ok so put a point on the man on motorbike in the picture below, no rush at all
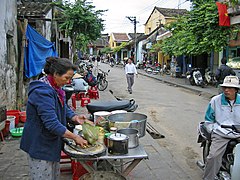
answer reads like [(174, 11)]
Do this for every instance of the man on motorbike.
[(223, 109)]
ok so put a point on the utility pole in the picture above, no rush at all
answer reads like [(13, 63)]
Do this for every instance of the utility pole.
[(134, 21)]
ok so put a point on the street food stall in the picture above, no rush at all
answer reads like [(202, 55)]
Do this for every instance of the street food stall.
[(120, 154)]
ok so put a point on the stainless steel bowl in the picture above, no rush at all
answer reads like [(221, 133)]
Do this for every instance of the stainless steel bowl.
[(129, 120)]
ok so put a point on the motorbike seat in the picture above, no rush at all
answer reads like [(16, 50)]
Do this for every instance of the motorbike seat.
[(108, 105)]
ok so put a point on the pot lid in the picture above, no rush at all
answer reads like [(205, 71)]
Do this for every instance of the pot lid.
[(118, 137)]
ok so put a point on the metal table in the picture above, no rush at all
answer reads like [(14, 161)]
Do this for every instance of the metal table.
[(137, 154)]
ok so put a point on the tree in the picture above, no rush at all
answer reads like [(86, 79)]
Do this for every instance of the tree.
[(81, 22), (106, 50), (122, 46), (198, 32)]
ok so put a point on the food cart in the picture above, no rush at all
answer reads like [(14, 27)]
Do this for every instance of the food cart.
[(116, 163), (121, 162)]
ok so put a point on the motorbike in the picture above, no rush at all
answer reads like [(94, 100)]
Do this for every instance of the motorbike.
[(152, 69), (210, 77), (118, 104), (231, 158), (195, 77), (102, 82)]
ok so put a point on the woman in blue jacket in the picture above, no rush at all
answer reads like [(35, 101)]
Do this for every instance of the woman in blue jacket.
[(46, 120)]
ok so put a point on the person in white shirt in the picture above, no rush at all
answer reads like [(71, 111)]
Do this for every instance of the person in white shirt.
[(130, 70)]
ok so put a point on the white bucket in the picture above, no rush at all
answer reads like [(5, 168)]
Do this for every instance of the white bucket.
[(102, 114), (12, 122), (118, 111)]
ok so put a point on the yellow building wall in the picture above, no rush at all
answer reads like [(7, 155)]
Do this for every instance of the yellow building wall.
[(112, 44), (154, 21)]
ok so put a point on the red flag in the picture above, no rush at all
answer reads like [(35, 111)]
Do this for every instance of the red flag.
[(224, 19)]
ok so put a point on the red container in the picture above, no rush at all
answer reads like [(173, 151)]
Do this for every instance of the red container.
[(15, 113), (23, 116), (78, 170)]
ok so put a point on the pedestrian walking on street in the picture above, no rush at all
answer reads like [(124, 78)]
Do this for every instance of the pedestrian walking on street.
[(130, 70), (47, 114)]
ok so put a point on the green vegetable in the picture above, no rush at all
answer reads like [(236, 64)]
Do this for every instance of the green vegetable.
[(90, 133)]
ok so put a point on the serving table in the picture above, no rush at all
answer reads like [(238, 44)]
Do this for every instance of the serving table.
[(112, 162)]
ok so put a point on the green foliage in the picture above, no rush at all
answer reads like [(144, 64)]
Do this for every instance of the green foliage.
[(106, 50), (81, 22), (155, 48), (198, 32), (122, 46)]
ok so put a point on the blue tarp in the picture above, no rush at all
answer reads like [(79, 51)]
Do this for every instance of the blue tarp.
[(37, 50)]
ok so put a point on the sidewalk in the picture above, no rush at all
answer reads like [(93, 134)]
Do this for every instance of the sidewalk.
[(207, 91)]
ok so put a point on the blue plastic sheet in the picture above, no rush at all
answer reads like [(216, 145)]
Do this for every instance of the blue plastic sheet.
[(37, 50)]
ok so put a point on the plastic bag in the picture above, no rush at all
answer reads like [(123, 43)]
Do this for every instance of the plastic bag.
[(90, 133)]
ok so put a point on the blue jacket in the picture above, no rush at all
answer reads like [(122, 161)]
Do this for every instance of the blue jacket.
[(45, 124)]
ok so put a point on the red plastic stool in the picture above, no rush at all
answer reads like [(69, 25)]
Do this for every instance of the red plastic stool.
[(94, 94), (74, 103), (85, 101), (78, 170), (65, 159)]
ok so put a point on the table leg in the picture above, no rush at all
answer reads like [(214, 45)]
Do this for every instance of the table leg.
[(131, 166), (86, 166)]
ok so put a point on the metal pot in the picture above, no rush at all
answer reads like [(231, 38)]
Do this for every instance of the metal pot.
[(129, 120), (132, 133), (118, 144)]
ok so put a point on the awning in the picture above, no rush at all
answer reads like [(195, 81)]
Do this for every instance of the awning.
[(164, 35)]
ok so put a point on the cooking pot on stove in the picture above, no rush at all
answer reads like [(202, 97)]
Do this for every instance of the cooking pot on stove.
[(118, 144)]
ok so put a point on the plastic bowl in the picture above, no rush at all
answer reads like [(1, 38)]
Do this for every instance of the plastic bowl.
[(16, 132)]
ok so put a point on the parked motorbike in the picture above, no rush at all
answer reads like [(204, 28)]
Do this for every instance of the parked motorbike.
[(195, 77), (121, 104), (210, 77), (102, 82), (231, 158), (153, 69)]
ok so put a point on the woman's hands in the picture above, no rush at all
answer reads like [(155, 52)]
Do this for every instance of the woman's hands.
[(80, 119), (80, 141)]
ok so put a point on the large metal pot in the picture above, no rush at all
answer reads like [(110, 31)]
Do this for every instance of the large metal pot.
[(118, 144), (129, 120), (132, 133)]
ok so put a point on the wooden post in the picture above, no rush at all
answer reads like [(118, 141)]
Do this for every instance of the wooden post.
[(21, 64)]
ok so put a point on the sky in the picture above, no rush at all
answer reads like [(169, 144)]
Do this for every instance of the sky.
[(115, 17)]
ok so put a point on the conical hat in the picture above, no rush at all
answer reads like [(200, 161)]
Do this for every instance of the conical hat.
[(77, 76)]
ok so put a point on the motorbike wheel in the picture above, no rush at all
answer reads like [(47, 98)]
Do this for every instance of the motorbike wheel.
[(102, 85), (202, 85), (149, 70), (191, 80)]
